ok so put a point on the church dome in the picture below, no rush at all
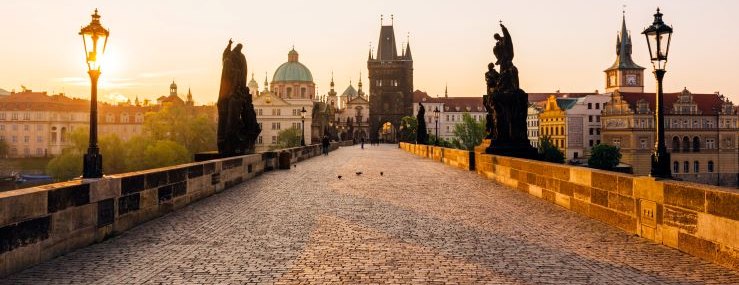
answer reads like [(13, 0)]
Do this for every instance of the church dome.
[(253, 85), (292, 70)]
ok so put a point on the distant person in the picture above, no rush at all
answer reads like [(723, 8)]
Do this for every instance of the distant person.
[(326, 143), (362, 140)]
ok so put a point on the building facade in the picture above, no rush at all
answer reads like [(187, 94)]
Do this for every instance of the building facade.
[(701, 130), (391, 84), (36, 124), (279, 107), (451, 110)]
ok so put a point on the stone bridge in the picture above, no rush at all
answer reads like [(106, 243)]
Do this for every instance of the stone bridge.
[(405, 219)]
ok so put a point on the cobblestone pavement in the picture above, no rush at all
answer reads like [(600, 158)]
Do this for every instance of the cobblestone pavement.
[(421, 222)]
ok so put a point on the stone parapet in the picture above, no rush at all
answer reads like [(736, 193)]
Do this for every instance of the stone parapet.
[(700, 220), (454, 157), (40, 223)]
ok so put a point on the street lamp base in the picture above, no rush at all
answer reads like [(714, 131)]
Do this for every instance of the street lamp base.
[(660, 165), (92, 165), (302, 142)]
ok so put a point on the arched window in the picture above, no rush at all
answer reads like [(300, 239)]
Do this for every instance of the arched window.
[(675, 144), (289, 92), (63, 135), (686, 166), (696, 144), (686, 144), (696, 166), (710, 166), (676, 167)]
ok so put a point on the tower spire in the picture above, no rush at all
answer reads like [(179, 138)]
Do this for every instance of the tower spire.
[(446, 90)]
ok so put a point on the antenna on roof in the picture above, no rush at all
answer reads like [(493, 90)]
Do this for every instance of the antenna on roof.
[(392, 19), (381, 20)]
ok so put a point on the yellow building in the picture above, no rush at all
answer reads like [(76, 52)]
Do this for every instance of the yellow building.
[(552, 120)]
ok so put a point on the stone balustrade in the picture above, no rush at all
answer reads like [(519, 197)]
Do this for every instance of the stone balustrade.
[(698, 219), (43, 222)]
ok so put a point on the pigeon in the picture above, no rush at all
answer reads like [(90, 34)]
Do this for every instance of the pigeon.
[(295, 165), (381, 173), (339, 176), (359, 173)]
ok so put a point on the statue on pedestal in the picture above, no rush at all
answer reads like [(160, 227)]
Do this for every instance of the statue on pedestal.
[(506, 104), (422, 136), (237, 121)]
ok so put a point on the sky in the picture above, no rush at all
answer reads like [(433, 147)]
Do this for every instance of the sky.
[(559, 45)]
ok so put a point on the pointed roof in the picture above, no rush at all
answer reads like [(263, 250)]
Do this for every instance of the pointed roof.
[(623, 50), (386, 47), (408, 51), (349, 91)]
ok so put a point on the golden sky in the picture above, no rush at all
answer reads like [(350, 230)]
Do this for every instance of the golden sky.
[(560, 45)]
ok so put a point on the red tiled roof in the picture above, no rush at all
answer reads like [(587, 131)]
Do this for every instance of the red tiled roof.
[(707, 103), (538, 97)]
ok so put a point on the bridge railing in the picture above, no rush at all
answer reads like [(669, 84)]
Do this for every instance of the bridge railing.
[(701, 220), (39, 223)]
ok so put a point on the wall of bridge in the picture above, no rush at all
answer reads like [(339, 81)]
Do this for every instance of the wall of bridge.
[(698, 219), (40, 223)]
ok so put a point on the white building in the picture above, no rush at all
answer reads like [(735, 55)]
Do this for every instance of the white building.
[(451, 110), (279, 108)]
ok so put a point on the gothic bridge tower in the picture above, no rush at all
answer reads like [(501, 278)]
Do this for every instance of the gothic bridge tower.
[(391, 84)]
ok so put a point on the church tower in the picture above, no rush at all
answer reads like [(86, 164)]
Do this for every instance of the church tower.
[(390, 82), (173, 89), (624, 75)]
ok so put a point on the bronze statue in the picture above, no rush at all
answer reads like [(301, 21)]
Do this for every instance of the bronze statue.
[(506, 103), (422, 136), (237, 122)]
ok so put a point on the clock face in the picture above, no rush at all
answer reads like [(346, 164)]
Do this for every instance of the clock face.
[(631, 80)]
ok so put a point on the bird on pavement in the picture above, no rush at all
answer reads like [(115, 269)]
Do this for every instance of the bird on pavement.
[(339, 176), (381, 173), (359, 173)]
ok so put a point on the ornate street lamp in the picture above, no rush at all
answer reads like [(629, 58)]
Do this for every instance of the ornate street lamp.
[(302, 119), (436, 117), (658, 41), (94, 38)]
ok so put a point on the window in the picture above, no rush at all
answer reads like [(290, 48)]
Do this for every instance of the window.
[(676, 167), (26, 116), (686, 166), (2, 116), (696, 144), (643, 143), (597, 106), (259, 140), (26, 128), (289, 92), (274, 139), (39, 152), (15, 127), (39, 128), (617, 142), (576, 155), (597, 142), (26, 139), (597, 131), (259, 112), (590, 118), (710, 143), (710, 166), (14, 139), (675, 144), (597, 118), (590, 131), (590, 106), (2, 127), (696, 166), (302, 92), (590, 143), (39, 139), (14, 116)]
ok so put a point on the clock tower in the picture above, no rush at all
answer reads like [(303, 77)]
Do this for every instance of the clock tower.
[(624, 75)]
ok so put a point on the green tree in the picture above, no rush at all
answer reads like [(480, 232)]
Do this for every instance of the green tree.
[(434, 140), (165, 153), (409, 125), (288, 138), (4, 148), (470, 132), (180, 124), (65, 166), (550, 152), (604, 156)]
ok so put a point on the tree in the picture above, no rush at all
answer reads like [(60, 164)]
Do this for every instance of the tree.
[(288, 138), (409, 125), (550, 152), (470, 132), (4, 148), (179, 124), (65, 166), (165, 153), (434, 140), (604, 156)]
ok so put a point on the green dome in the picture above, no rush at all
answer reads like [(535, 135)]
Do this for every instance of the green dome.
[(292, 70)]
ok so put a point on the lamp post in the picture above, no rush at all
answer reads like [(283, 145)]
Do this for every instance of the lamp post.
[(302, 124), (658, 41), (436, 118), (93, 36)]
